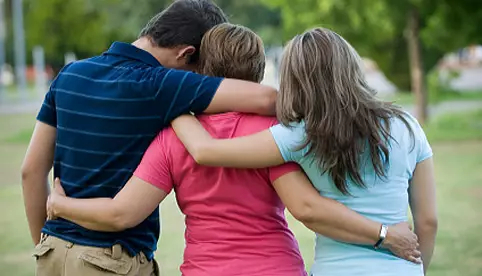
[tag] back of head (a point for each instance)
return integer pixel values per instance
(323, 83)
(184, 22)
(232, 51)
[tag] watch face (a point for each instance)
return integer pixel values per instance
(383, 232)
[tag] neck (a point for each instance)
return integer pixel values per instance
(145, 44)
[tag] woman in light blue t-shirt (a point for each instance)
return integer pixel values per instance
(358, 150)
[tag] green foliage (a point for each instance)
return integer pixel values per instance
(376, 28)
(451, 24)
(126, 18)
(87, 27)
(60, 26)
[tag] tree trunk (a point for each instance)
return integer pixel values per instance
(416, 66)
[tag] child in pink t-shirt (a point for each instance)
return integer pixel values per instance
(235, 223)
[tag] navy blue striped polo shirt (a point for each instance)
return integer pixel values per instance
(107, 109)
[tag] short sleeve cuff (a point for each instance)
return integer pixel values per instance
(140, 173)
(47, 115)
(279, 171)
(205, 94)
(424, 156)
(278, 133)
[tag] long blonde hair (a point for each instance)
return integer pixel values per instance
(323, 84)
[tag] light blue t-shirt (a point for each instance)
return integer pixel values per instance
(384, 200)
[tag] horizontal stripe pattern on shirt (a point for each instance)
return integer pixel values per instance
(107, 109)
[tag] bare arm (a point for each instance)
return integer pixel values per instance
(424, 210)
(320, 214)
(243, 96)
(255, 151)
(334, 220)
(35, 170)
(134, 203)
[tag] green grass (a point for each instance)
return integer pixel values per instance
(459, 185)
(455, 127)
(408, 98)
(21, 137)
(400, 98)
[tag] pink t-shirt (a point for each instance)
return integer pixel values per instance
(235, 223)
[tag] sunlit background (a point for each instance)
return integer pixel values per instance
(423, 54)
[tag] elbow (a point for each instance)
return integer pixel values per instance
(119, 221)
(427, 225)
(32, 174)
(201, 154)
(27, 173)
(304, 213)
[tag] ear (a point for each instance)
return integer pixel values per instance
(186, 53)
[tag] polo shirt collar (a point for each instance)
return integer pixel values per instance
(130, 51)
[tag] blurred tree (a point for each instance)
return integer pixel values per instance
(126, 18)
(401, 36)
(87, 27)
(61, 26)
(130, 16)
(256, 16)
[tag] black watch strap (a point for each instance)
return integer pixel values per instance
(382, 236)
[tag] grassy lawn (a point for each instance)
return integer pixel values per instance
(456, 127)
(408, 98)
(457, 144)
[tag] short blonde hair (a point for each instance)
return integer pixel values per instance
(232, 51)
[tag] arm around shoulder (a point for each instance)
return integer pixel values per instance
(258, 150)
(243, 96)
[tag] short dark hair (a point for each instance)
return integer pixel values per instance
(232, 51)
(184, 22)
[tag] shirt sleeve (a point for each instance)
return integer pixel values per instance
(288, 140)
(279, 171)
(47, 113)
(155, 166)
(180, 92)
(424, 148)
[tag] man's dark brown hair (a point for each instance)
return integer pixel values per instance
(184, 22)
(232, 51)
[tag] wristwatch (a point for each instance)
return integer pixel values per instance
(382, 236)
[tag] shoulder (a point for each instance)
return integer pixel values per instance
(291, 136)
(164, 145)
(294, 130)
(263, 122)
(166, 136)
(402, 124)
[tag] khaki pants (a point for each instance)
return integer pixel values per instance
(56, 257)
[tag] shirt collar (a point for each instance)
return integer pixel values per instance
(130, 51)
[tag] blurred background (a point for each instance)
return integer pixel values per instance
(423, 54)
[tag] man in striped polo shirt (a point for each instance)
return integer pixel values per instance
(99, 117)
